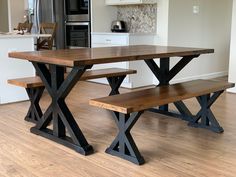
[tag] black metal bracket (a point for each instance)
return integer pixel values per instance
(34, 113)
(205, 118)
(58, 113)
(124, 146)
(115, 83)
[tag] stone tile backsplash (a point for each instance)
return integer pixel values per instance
(139, 18)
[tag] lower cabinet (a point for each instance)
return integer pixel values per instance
(144, 76)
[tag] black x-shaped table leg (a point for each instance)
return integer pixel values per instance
(34, 113)
(58, 112)
(205, 118)
(164, 75)
(124, 146)
(115, 83)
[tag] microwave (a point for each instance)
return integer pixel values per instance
(77, 10)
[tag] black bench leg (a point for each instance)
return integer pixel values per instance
(34, 113)
(185, 113)
(115, 83)
(205, 118)
(124, 146)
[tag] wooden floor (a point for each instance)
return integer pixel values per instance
(169, 146)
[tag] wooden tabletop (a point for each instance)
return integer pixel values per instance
(90, 56)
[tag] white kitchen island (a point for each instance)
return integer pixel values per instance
(11, 68)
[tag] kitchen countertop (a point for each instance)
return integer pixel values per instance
(122, 34)
(26, 35)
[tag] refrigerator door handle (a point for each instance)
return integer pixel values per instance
(37, 16)
(53, 11)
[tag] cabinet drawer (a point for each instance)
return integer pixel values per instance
(121, 2)
(110, 39)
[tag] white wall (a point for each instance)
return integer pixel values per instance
(102, 16)
(210, 28)
(162, 22)
(17, 12)
(232, 66)
(26, 4)
(4, 27)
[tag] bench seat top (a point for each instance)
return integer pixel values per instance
(31, 82)
(144, 99)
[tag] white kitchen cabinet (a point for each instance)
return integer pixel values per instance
(144, 76)
(126, 2)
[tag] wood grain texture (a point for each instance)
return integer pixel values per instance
(148, 98)
(27, 82)
(32, 82)
(170, 147)
(90, 56)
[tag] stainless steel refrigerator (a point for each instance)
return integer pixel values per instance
(48, 11)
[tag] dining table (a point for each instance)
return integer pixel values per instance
(50, 65)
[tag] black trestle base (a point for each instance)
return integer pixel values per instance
(65, 129)
(164, 75)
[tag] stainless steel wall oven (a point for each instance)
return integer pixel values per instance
(77, 34)
(77, 25)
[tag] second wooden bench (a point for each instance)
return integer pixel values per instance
(128, 107)
(35, 87)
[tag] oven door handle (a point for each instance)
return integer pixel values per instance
(77, 23)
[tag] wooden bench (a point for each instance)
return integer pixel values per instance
(128, 107)
(35, 87)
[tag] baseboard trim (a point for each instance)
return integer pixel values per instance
(231, 90)
(203, 76)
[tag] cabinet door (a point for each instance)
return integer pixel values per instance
(112, 2)
(130, 1)
(120, 2)
(125, 2)
(111, 40)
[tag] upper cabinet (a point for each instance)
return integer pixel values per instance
(127, 2)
